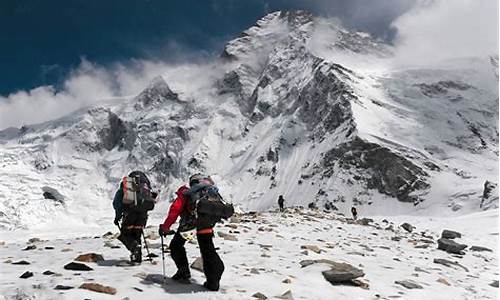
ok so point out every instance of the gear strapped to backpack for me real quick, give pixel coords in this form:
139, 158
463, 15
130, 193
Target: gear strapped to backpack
137, 192
205, 207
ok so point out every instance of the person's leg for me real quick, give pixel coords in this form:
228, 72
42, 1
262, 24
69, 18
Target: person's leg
213, 267
178, 254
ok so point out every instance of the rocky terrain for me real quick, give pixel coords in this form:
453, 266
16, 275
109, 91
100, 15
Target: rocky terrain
298, 254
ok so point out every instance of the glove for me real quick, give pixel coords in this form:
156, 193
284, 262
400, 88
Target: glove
117, 221
162, 232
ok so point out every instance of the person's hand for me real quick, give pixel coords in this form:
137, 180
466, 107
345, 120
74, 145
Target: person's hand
162, 232
117, 221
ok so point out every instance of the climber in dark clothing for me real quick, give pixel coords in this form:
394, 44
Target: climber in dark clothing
281, 203
213, 267
354, 213
134, 219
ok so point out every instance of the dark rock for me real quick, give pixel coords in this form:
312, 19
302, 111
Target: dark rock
342, 272
489, 199
364, 221
259, 296
77, 267
21, 262
26, 274
408, 284
408, 227
63, 287
48, 273
494, 283
52, 194
29, 247
450, 234
451, 246
480, 249
449, 263
49, 248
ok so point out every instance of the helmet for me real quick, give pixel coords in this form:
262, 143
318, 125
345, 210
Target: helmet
195, 179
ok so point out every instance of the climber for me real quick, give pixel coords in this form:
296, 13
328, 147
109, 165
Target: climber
195, 206
132, 202
281, 202
354, 213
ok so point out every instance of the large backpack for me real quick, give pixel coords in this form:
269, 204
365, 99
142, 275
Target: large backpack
205, 206
137, 192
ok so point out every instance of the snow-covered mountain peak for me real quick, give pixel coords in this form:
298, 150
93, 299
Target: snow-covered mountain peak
282, 112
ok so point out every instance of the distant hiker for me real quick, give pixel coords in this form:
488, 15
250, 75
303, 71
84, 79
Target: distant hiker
132, 202
354, 213
281, 202
200, 206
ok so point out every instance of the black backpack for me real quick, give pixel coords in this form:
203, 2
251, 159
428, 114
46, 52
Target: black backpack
205, 207
137, 192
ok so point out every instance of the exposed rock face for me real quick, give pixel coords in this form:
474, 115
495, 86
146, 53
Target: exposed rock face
157, 93
480, 249
388, 172
490, 195
408, 227
117, 133
53, 194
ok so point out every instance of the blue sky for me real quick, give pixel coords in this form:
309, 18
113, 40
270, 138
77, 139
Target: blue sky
42, 41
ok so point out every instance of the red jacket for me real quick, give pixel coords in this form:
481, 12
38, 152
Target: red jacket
175, 209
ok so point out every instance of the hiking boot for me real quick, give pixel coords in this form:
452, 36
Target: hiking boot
136, 256
182, 277
211, 286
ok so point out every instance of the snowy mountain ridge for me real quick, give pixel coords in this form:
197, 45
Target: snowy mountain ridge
287, 109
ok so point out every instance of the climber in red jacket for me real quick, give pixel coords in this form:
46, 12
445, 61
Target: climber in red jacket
213, 267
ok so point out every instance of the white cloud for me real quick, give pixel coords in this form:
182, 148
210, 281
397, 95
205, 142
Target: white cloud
436, 30
86, 85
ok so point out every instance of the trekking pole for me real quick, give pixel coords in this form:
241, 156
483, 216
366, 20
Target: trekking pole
146, 244
163, 258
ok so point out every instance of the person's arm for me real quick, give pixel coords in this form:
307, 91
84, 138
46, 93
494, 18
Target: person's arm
173, 213
118, 204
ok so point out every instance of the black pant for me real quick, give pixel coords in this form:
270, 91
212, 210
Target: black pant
131, 229
213, 267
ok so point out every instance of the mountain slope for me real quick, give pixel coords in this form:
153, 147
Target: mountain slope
287, 109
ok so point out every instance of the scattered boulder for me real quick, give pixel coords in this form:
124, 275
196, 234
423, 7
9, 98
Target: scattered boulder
63, 287
287, 280
26, 274
341, 273
451, 246
480, 249
254, 271
364, 221
259, 296
197, 264
77, 267
286, 295
494, 283
96, 287
90, 257
308, 262
227, 236
450, 234
48, 273
449, 263
409, 284
408, 227
34, 240
313, 248
29, 247
21, 262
